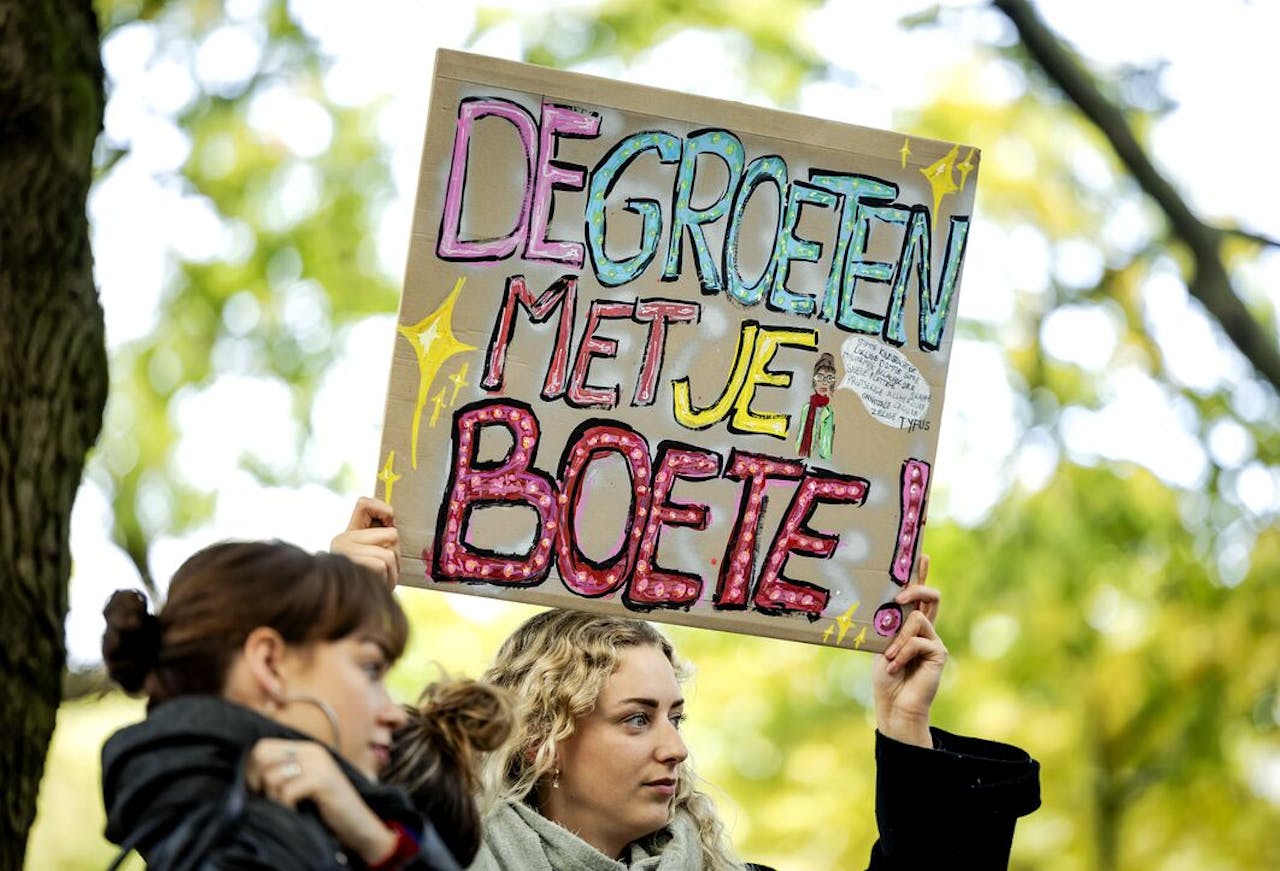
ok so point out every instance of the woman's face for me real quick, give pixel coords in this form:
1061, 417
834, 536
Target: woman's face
349, 676
824, 381
618, 768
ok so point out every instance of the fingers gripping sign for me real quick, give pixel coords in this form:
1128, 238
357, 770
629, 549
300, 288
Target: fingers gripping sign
371, 538
925, 598
907, 674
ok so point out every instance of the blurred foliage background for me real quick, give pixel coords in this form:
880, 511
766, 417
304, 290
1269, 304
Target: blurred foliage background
1117, 618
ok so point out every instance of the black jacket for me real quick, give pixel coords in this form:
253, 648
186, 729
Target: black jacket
173, 790
951, 807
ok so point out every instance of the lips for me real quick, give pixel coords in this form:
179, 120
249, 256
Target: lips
665, 785
381, 755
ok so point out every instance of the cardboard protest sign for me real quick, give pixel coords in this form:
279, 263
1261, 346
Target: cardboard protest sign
670, 355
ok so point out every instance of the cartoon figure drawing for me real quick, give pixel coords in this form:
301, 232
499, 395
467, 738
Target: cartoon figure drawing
819, 427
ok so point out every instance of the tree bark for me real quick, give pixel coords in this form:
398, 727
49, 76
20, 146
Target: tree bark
53, 368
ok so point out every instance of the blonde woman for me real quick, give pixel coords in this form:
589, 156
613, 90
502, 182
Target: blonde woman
597, 778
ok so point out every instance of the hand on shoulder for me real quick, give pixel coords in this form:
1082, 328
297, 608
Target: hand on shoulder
290, 772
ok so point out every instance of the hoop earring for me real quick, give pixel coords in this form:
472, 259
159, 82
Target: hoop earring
324, 708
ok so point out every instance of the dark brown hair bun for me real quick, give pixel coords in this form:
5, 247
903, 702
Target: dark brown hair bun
466, 715
435, 755
131, 644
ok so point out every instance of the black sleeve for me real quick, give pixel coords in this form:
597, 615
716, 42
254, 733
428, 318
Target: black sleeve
954, 806
263, 836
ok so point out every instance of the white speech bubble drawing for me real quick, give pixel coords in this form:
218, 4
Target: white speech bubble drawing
889, 385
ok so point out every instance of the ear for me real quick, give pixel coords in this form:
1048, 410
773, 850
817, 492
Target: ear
531, 754
263, 657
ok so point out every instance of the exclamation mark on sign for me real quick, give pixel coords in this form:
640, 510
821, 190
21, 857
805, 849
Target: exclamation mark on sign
915, 483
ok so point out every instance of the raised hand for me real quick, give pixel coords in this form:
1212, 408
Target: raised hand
905, 677
371, 539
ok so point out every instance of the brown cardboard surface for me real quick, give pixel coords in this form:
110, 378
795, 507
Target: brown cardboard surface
582, 414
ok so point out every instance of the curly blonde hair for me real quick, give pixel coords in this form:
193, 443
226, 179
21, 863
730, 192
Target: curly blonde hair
557, 663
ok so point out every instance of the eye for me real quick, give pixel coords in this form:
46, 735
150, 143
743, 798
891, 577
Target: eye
375, 669
637, 720
677, 720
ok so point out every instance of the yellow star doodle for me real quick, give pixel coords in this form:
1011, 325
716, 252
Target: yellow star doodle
388, 476
966, 166
459, 380
939, 175
845, 622
438, 403
433, 342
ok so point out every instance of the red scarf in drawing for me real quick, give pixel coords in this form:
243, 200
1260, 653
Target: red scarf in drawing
816, 401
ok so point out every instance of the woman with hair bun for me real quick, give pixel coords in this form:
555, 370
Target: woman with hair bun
268, 719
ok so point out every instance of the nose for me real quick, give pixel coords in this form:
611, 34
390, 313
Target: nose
671, 748
391, 714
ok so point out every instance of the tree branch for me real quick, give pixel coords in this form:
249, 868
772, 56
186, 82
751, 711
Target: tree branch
1260, 238
1210, 282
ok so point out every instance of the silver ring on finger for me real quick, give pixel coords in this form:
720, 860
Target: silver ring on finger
291, 768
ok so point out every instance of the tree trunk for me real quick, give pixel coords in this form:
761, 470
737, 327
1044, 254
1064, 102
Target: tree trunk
53, 368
